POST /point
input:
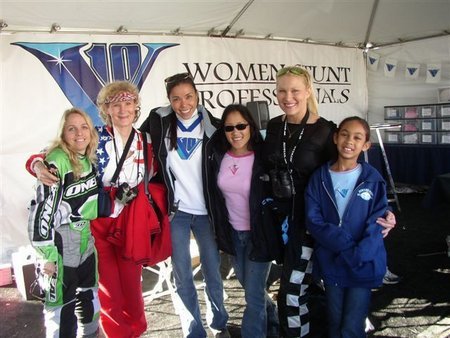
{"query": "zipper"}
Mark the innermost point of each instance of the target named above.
(334, 204)
(332, 201)
(206, 158)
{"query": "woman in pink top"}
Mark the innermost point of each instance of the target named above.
(236, 188)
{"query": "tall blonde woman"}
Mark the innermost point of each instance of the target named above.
(297, 143)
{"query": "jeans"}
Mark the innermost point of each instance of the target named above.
(347, 311)
(188, 308)
(253, 276)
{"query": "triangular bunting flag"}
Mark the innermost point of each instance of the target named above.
(412, 71)
(433, 73)
(390, 66)
(373, 61)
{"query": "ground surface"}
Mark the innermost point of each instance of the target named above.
(419, 306)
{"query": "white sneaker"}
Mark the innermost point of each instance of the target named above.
(221, 334)
(369, 326)
(391, 278)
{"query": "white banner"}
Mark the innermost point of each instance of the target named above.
(44, 74)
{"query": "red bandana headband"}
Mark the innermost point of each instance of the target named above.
(120, 97)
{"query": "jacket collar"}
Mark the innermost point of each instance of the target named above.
(207, 123)
(366, 175)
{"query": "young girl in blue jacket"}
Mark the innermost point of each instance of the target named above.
(343, 201)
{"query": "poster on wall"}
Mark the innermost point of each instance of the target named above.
(44, 74)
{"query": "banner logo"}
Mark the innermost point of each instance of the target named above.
(81, 72)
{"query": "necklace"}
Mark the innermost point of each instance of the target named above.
(127, 173)
(127, 153)
(292, 128)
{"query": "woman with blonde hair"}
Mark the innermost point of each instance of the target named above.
(297, 143)
(123, 238)
(59, 230)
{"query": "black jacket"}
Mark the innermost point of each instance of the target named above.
(315, 148)
(157, 124)
(263, 234)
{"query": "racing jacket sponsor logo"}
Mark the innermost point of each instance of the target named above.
(47, 212)
(52, 293)
(80, 225)
(80, 188)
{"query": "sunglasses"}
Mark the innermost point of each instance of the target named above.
(240, 126)
(177, 78)
(293, 70)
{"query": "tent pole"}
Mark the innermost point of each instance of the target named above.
(381, 45)
(370, 24)
(236, 18)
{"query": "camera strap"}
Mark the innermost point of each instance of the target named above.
(147, 175)
(123, 157)
(291, 155)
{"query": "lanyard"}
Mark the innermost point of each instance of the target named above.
(291, 155)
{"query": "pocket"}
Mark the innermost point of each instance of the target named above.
(104, 203)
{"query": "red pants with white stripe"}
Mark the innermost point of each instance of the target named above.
(120, 288)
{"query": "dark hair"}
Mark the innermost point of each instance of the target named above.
(171, 82)
(363, 123)
(177, 79)
(255, 136)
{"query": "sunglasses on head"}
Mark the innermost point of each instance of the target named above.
(240, 126)
(293, 70)
(177, 77)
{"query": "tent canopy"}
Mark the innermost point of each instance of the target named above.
(246, 30)
(348, 23)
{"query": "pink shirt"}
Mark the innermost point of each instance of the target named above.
(234, 181)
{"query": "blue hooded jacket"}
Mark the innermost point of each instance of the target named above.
(349, 252)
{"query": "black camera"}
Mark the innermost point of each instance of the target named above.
(281, 183)
(125, 193)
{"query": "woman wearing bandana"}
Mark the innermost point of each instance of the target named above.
(122, 240)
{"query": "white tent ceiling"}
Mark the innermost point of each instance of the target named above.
(340, 22)
(347, 23)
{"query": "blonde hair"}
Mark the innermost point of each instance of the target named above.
(111, 90)
(61, 143)
(313, 105)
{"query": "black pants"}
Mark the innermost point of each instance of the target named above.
(76, 306)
